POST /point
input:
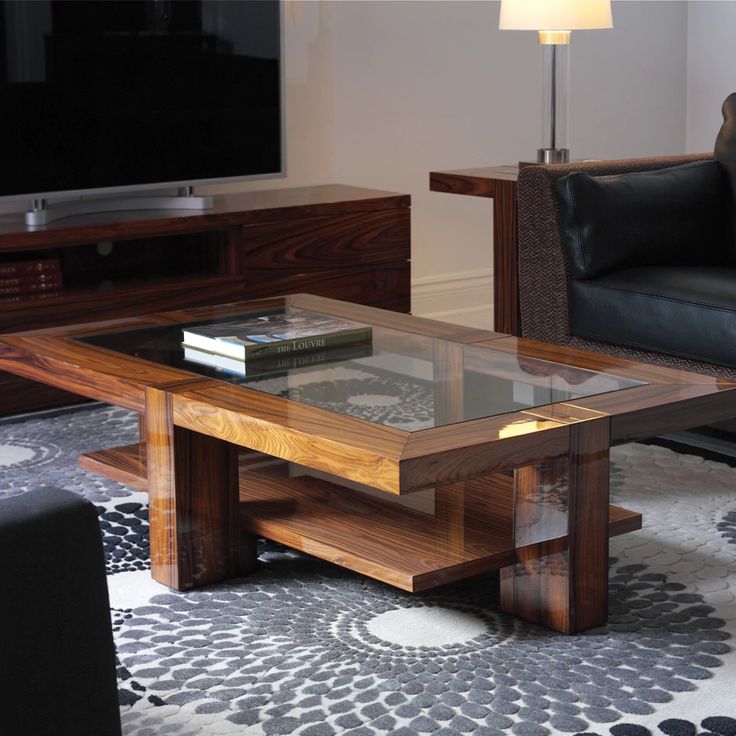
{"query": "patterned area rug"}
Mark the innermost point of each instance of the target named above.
(303, 647)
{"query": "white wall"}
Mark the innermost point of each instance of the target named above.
(435, 85)
(711, 69)
(628, 91)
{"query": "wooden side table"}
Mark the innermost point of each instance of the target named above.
(499, 184)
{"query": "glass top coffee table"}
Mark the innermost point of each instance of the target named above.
(433, 453)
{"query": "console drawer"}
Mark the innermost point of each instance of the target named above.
(321, 243)
(378, 285)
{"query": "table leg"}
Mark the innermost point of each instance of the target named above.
(506, 316)
(561, 536)
(193, 503)
(142, 432)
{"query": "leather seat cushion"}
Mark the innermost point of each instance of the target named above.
(682, 310)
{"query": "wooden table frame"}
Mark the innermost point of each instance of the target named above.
(547, 528)
(497, 183)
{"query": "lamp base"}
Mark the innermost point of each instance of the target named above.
(553, 155)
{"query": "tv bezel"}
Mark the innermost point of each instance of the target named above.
(128, 189)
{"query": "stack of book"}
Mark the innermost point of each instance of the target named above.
(33, 279)
(276, 342)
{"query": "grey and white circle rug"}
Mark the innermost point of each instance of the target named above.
(303, 647)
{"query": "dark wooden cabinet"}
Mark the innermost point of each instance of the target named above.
(332, 240)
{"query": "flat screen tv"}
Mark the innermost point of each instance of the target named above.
(120, 94)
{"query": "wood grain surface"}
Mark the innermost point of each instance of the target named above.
(230, 210)
(194, 512)
(380, 285)
(553, 552)
(126, 465)
(506, 309)
(338, 444)
(475, 182)
(566, 588)
(447, 534)
(479, 447)
(499, 184)
(469, 530)
(141, 297)
(647, 411)
(85, 369)
(326, 243)
(649, 372)
(323, 239)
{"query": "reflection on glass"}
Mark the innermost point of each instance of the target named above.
(398, 379)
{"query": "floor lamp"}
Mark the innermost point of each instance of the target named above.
(554, 20)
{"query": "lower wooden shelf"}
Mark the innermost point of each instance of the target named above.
(426, 539)
(126, 465)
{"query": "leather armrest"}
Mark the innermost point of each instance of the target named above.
(542, 264)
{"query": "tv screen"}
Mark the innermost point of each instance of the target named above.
(119, 93)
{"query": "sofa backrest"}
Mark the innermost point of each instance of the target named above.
(676, 216)
(725, 148)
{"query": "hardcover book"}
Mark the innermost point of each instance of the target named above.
(275, 364)
(29, 286)
(32, 279)
(280, 335)
(30, 267)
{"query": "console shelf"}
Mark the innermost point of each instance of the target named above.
(415, 543)
(332, 240)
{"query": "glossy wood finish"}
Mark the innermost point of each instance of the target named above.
(126, 465)
(194, 514)
(332, 240)
(649, 372)
(483, 181)
(438, 536)
(140, 297)
(382, 285)
(326, 243)
(85, 370)
(21, 395)
(664, 408)
(499, 184)
(558, 575)
(230, 210)
(323, 440)
(478, 447)
(562, 586)
(400, 461)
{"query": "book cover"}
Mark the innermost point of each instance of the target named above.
(32, 279)
(30, 267)
(30, 287)
(275, 364)
(29, 297)
(276, 335)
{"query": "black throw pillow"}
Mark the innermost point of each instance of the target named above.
(677, 216)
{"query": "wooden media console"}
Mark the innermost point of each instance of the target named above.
(332, 240)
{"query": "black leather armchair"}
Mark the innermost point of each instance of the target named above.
(57, 658)
(634, 258)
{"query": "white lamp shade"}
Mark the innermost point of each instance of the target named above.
(555, 15)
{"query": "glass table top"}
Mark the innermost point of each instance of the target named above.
(386, 376)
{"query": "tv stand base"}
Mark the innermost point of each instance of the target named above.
(42, 211)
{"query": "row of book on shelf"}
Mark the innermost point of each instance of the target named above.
(37, 278)
(275, 342)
